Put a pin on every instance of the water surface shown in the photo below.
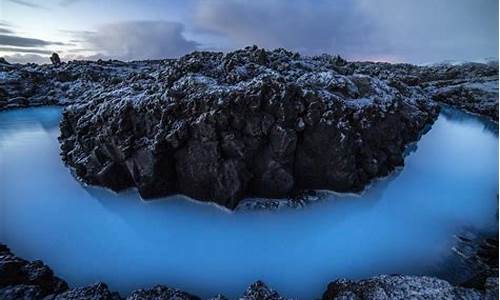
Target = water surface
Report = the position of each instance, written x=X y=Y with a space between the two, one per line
x=402 y=224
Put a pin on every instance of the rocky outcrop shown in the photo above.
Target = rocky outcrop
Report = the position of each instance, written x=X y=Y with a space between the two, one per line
x=460 y=85
x=476 y=96
x=399 y=287
x=218 y=127
x=479 y=257
x=98 y=291
x=472 y=87
x=66 y=83
x=259 y=291
x=476 y=278
x=160 y=292
x=23 y=279
x=54 y=59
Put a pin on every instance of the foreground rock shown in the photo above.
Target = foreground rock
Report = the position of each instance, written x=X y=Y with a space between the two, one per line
x=98 y=291
x=478 y=260
x=476 y=277
x=259 y=291
x=20 y=279
x=161 y=292
x=249 y=123
x=23 y=279
x=399 y=287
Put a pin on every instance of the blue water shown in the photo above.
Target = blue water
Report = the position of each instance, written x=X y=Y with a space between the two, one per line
x=402 y=224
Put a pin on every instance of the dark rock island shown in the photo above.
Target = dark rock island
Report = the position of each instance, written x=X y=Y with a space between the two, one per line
x=248 y=123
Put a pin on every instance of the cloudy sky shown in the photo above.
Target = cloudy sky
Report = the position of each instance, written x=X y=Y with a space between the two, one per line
x=416 y=31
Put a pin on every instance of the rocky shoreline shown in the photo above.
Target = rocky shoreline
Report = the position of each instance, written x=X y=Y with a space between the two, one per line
x=472 y=87
x=21 y=279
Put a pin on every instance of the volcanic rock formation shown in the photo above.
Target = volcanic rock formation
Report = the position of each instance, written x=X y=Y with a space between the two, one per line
x=251 y=122
x=400 y=287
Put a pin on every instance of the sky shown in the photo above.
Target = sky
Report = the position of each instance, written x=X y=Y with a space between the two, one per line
x=414 y=31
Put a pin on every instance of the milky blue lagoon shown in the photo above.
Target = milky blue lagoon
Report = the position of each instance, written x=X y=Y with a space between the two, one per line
x=402 y=224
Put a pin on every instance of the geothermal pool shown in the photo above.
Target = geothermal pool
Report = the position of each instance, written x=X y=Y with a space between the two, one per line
x=404 y=223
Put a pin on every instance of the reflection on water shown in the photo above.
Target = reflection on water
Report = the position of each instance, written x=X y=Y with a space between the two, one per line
x=401 y=224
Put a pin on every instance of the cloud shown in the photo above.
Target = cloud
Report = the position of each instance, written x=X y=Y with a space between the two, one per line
x=68 y=2
x=12 y=40
x=5 y=30
x=414 y=31
x=24 y=50
x=5 y=24
x=27 y=4
x=307 y=26
x=428 y=30
x=136 y=40
x=27 y=58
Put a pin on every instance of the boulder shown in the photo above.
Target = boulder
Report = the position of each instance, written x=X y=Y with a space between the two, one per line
x=54 y=58
x=399 y=287
x=28 y=278
x=160 y=292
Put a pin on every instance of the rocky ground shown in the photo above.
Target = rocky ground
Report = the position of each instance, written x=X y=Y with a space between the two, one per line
x=472 y=87
x=400 y=287
x=21 y=279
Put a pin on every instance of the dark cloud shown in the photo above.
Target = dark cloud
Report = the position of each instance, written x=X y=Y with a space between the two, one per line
x=429 y=31
x=5 y=30
x=5 y=24
x=138 y=40
x=68 y=2
x=12 y=40
x=24 y=50
x=414 y=31
x=27 y=4
x=307 y=26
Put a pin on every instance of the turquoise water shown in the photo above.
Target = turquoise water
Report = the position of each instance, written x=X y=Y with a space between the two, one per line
x=402 y=224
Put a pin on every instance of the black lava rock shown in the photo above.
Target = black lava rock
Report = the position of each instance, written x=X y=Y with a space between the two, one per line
x=161 y=293
x=54 y=58
x=399 y=287
x=219 y=127
x=259 y=291
x=28 y=278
